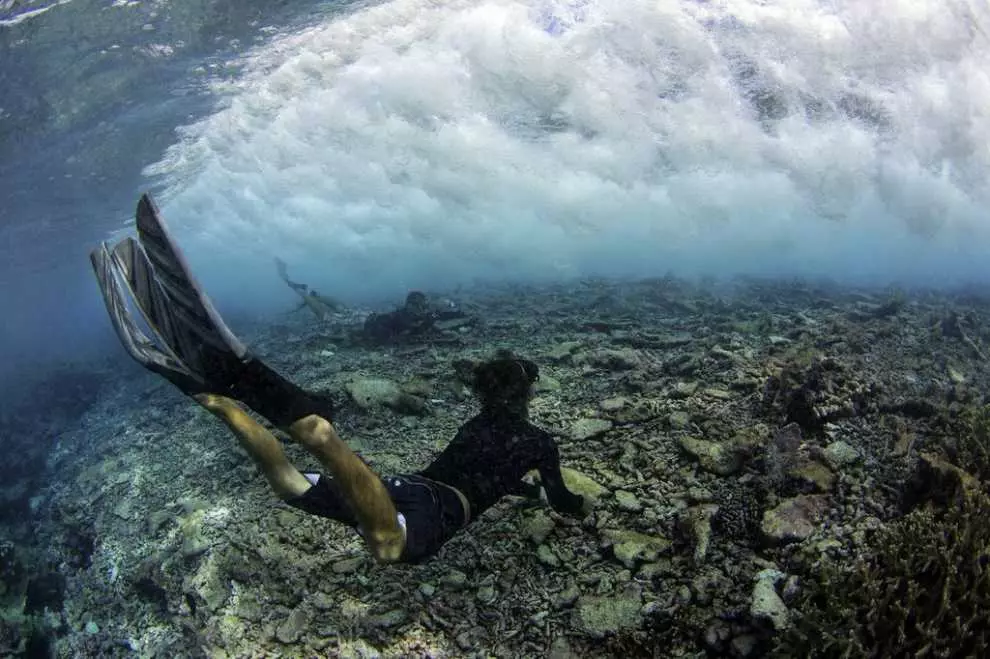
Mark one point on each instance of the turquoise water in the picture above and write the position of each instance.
(378, 147)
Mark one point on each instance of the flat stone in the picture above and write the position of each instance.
(679, 420)
(562, 352)
(795, 519)
(628, 501)
(613, 360)
(721, 458)
(373, 393)
(292, 627)
(766, 604)
(841, 454)
(546, 556)
(631, 548)
(348, 565)
(486, 594)
(538, 526)
(579, 483)
(388, 619)
(588, 428)
(567, 597)
(813, 475)
(602, 616)
(613, 404)
(684, 390)
(455, 579)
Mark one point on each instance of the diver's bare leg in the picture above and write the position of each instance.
(362, 487)
(260, 444)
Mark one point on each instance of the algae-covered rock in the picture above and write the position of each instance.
(588, 428)
(562, 352)
(841, 454)
(538, 526)
(210, 584)
(292, 627)
(697, 526)
(546, 556)
(811, 475)
(374, 393)
(794, 519)
(603, 616)
(766, 604)
(630, 547)
(628, 501)
(721, 458)
(579, 483)
(546, 383)
(679, 419)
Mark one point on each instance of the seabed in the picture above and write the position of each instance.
(746, 441)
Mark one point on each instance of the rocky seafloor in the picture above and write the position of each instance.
(743, 441)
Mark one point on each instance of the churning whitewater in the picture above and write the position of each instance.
(429, 143)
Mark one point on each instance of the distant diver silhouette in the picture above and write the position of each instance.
(322, 306)
(402, 518)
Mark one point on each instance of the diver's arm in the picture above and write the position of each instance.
(561, 499)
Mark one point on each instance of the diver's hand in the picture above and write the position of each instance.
(575, 507)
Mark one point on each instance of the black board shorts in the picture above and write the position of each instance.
(430, 511)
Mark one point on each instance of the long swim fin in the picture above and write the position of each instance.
(195, 349)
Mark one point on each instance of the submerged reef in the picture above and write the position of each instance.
(780, 468)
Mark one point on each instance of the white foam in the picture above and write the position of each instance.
(424, 142)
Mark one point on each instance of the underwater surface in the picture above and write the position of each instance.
(745, 242)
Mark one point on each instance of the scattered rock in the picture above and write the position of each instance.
(766, 603)
(811, 475)
(538, 526)
(795, 519)
(630, 547)
(683, 390)
(627, 501)
(840, 454)
(292, 627)
(587, 428)
(388, 619)
(721, 458)
(697, 526)
(546, 556)
(579, 483)
(374, 393)
(348, 565)
(455, 579)
(602, 616)
(679, 420)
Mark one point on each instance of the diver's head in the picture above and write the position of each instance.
(504, 384)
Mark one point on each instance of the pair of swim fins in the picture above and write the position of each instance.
(174, 306)
(192, 347)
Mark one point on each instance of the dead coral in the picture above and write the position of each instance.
(920, 588)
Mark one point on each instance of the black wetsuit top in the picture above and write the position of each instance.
(490, 454)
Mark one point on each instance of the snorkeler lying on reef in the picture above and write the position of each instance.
(403, 518)
(322, 306)
(415, 319)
